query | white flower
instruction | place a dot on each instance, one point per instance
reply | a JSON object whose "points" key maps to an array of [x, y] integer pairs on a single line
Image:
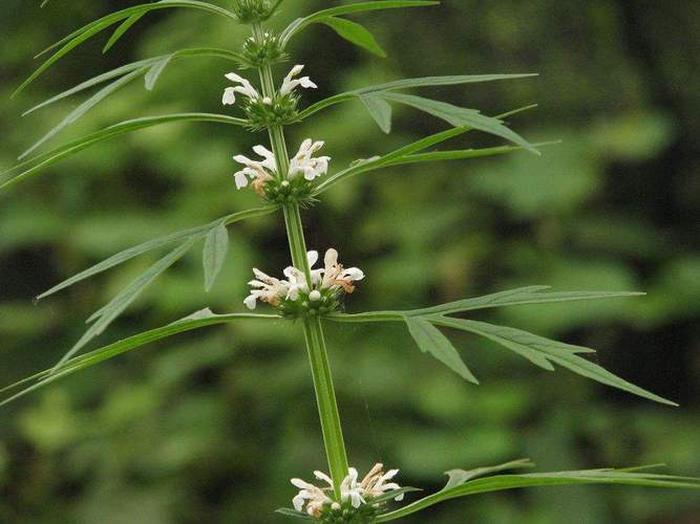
{"points": [[260, 171], [245, 88], [316, 499], [266, 289], [304, 163], [336, 277], [290, 82], [257, 170]]}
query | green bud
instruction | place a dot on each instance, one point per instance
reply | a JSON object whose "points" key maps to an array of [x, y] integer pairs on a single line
{"points": [[263, 113], [263, 51], [252, 11]]}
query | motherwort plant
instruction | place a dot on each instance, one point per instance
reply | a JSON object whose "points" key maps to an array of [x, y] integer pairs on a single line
{"points": [[266, 94]]}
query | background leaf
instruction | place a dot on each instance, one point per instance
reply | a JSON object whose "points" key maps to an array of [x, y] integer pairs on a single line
{"points": [[355, 34], [215, 250]]}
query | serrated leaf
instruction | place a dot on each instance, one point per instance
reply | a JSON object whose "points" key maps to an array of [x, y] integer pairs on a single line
{"points": [[530, 480], [73, 365], [121, 30], [192, 234], [102, 318], [430, 340], [379, 110], [155, 71], [537, 349], [457, 477], [459, 116], [82, 109], [214, 255], [318, 17], [73, 40], [355, 34], [36, 164]]}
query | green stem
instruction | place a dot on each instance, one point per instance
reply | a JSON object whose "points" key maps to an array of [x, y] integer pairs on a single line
{"points": [[313, 330]]}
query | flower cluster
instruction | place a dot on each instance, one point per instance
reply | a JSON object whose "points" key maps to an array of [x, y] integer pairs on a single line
{"points": [[355, 497], [263, 51], [295, 295], [265, 111], [295, 185], [251, 11]]}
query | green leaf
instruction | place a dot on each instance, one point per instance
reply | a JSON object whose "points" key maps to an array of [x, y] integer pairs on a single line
{"points": [[198, 320], [395, 156], [215, 249], [83, 108], [143, 65], [407, 83], [431, 341], [379, 110], [73, 40], [459, 116], [521, 296], [36, 164], [355, 34], [359, 7], [457, 477], [121, 30], [155, 71], [102, 318], [543, 351], [507, 482], [193, 234]]}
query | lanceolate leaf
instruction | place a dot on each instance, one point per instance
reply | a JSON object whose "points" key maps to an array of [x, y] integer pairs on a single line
{"points": [[214, 256], [359, 7], [83, 108], [86, 32], [459, 116], [535, 347], [102, 318], [457, 477], [73, 365], [431, 341], [121, 30], [193, 234], [144, 66], [407, 83], [530, 480], [155, 71], [39, 162], [355, 34], [378, 109]]}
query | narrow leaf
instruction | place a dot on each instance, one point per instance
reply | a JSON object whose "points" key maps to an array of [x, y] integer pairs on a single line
{"points": [[565, 355], [73, 40], [507, 482], [521, 296], [38, 163], [121, 30], [431, 341], [355, 34], [192, 234], [83, 108], [287, 512], [458, 477], [379, 110], [97, 356], [107, 314], [215, 249], [359, 7], [155, 71], [459, 116]]}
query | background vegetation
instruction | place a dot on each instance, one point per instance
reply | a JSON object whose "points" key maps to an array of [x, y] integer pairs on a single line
{"points": [[209, 427]]}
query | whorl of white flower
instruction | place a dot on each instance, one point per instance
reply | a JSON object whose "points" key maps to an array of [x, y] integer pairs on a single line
{"points": [[313, 499], [303, 162], [245, 88], [257, 170], [290, 82], [332, 277]]}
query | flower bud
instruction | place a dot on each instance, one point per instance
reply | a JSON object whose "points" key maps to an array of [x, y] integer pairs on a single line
{"points": [[252, 11]]}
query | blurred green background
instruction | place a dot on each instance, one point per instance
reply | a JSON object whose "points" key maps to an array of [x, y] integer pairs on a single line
{"points": [[209, 427]]}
